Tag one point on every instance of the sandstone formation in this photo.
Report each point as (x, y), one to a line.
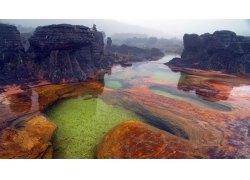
(28, 138)
(221, 51)
(137, 140)
(218, 129)
(16, 102)
(67, 53)
(24, 131)
(13, 60)
(57, 53)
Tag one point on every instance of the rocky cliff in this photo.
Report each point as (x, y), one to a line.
(13, 58)
(67, 53)
(221, 51)
(57, 53)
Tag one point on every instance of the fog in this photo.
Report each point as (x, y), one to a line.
(160, 28)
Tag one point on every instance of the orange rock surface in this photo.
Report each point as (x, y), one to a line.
(218, 132)
(133, 139)
(24, 131)
(28, 137)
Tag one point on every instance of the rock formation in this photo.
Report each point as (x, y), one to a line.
(137, 140)
(13, 60)
(218, 129)
(24, 131)
(125, 54)
(221, 51)
(57, 53)
(28, 138)
(108, 47)
(67, 53)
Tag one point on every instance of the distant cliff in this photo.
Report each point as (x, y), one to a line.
(127, 54)
(221, 51)
(57, 53)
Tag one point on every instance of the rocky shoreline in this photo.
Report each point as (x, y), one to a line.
(65, 61)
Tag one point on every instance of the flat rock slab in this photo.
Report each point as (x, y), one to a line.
(134, 139)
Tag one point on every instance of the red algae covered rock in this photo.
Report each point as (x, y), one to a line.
(134, 139)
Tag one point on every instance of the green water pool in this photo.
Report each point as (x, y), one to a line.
(82, 123)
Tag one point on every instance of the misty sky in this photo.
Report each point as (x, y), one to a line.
(178, 27)
(161, 28)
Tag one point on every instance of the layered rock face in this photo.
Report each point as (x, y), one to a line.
(67, 53)
(221, 51)
(12, 56)
(57, 53)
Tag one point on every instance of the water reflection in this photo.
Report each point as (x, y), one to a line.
(21, 102)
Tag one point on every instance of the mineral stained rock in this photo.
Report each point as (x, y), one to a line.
(137, 140)
(28, 138)
(24, 131)
(17, 102)
(221, 51)
(218, 130)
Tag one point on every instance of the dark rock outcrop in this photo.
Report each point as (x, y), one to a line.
(57, 53)
(137, 54)
(126, 54)
(221, 51)
(13, 60)
(67, 53)
(109, 43)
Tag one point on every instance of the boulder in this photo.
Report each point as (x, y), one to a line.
(28, 138)
(137, 140)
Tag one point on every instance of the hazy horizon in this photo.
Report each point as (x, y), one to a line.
(160, 28)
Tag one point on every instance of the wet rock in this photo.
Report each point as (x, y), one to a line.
(137, 140)
(28, 138)
(221, 51)
(205, 124)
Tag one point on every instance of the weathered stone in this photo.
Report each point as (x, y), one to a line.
(221, 51)
(67, 53)
(205, 124)
(13, 60)
(16, 102)
(137, 140)
(28, 137)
